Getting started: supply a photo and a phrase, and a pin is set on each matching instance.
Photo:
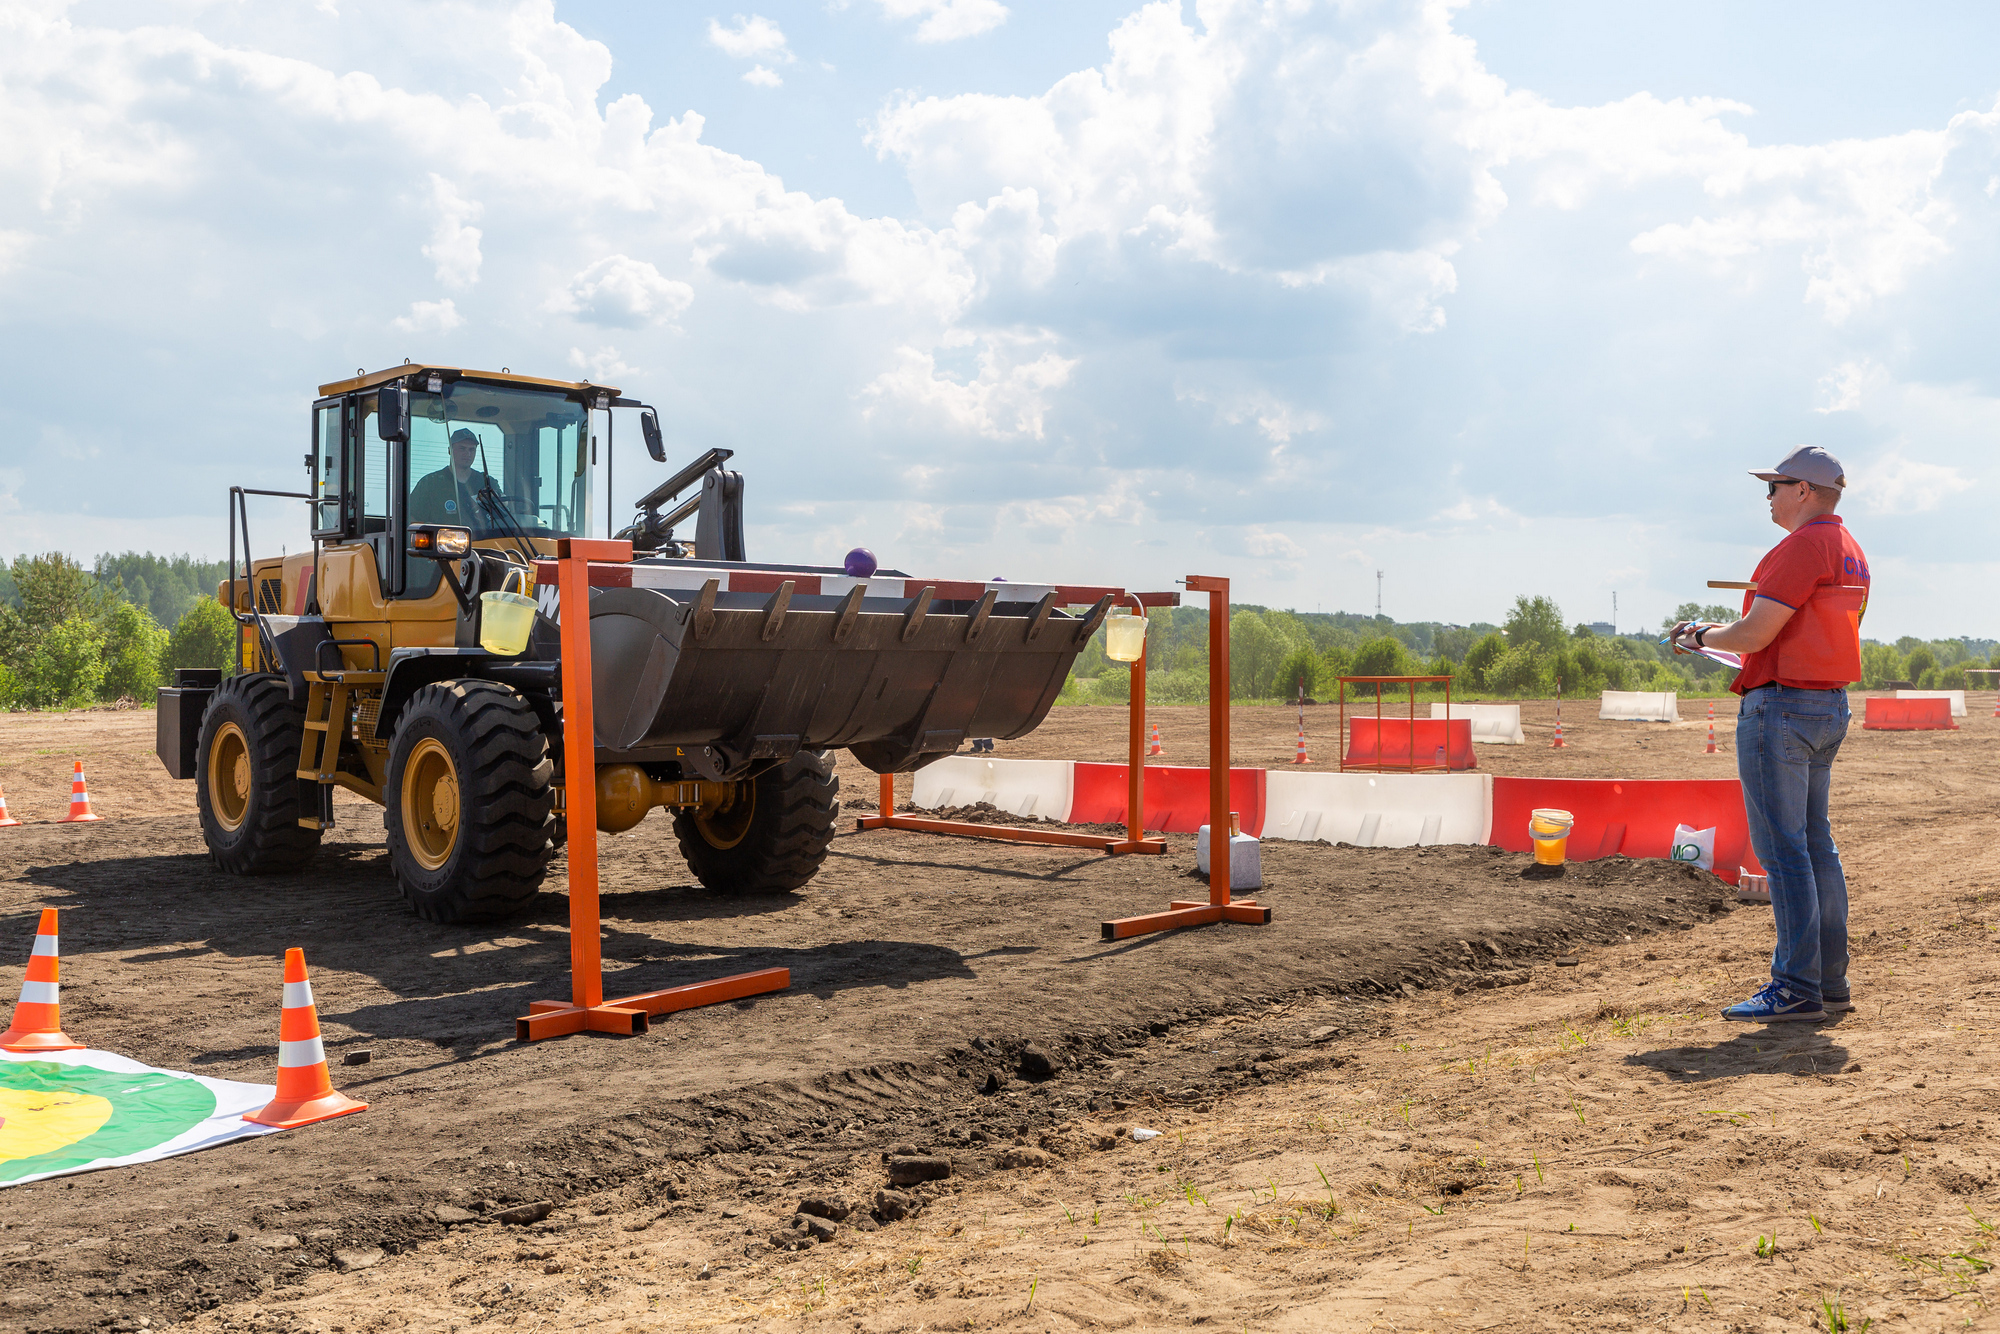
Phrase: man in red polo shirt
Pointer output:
(1800, 639)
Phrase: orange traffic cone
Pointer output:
(305, 1090)
(1302, 757)
(6, 820)
(1711, 728)
(1559, 736)
(1157, 750)
(38, 1017)
(79, 800)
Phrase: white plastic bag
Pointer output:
(1696, 847)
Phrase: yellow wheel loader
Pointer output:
(413, 655)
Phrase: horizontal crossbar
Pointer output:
(628, 1014)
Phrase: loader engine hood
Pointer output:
(719, 667)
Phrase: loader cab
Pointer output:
(506, 456)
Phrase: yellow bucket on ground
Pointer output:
(1550, 830)
(505, 621)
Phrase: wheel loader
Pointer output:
(413, 655)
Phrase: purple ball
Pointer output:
(860, 563)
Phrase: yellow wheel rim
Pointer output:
(728, 827)
(229, 776)
(430, 803)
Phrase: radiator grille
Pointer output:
(365, 720)
(271, 596)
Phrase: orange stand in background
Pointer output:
(1220, 907)
(587, 1010)
(1135, 839)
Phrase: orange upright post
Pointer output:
(37, 1022)
(79, 800)
(1559, 718)
(6, 821)
(305, 1088)
(586, 1009)
(1219, 907)
(1711, 728)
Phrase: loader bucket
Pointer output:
(719, 680)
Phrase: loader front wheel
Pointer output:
(773, 841)
(246, 778)
(467, 801)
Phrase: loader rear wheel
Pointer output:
(246, 778)
(467, 801)
(773, 842)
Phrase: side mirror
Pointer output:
(649, 422)
(436, 542)
(392, 412)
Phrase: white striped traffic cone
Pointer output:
(79, 800)
(37, 1022)
(305, 1089)
(1156, 749)
(1302, 757)
(1711, 728)
(6, 821)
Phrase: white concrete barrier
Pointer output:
(1020, 787)
(1493, 724)
(1640, 706)
(1957, 698)
(1378, 810)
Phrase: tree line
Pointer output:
(71, 637)
(1532, 654)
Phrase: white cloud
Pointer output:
(623, 293)
(1008, 397)
(1267, 545)
(429, 317)
(1840, 388)
(750, 38)
(763, 77)
(1896, 484)
(604, 366)
(454, 245)
(948, 20)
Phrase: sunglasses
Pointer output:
(1772, 487)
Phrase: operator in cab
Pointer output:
(450, 495)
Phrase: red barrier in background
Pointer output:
(1176, 797)
(1909, 715)
(1633, 817)
(1390, 746)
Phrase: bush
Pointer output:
(1921, 660)
(1879, 665)
(133, 646)
(1537, 621)
(1517, 672)
(1479, 660)
(1952, 678)
(65, 669)
(205, 637)
(1299, 670)
(10, 689)
(1384, 657)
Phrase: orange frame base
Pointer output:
(1006, 833)
(586, 1011)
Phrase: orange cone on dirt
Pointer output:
(305, 1090)
(1156, 749)
(1559, 736)
(1302, 757)
(79, 800)
(38, 1016)
(7, 821)
(1711, 728)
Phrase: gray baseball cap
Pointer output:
(1808, 463)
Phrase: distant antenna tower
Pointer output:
(1614, 613)
(1378, 592)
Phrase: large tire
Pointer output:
(467, 801)
(246, 778)
(780, 846)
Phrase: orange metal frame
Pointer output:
(1220, 906)
(586, 1010)
(1134, 840)
(1379, 767)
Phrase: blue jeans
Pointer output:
(1785, 743)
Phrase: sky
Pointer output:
(1494, 297)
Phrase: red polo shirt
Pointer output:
(1813, 572)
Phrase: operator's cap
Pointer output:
(1808, 463)
(467, 432)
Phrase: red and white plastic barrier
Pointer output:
(1389, 741)
(1040, 788)
(1957, 698)
(1907, 715)
(1639, 706)
(1613, 817)
(1492, 724)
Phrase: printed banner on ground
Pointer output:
(63, 1112)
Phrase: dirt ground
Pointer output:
(1528, 1069)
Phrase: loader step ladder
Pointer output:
(327, 698)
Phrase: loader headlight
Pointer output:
(439, 542)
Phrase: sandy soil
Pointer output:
(1403, 1049)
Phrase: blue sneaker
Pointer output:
(1774, 1005)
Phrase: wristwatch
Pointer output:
(1699, 632)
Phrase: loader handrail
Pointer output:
(237, 504)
